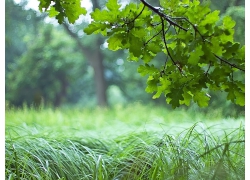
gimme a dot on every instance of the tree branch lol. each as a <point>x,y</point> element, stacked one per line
<point>193,25</point>
<point>139,14</point>
<point>168,19</point>
<point>164,39</point>
<point>233,65</point>
<point>126,23</point>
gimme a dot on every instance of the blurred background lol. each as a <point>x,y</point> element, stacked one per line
<point>52,65</point>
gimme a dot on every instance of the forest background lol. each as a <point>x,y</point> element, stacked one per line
<point>50,66</point>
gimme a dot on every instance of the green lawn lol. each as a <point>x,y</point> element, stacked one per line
<point>133,142</point>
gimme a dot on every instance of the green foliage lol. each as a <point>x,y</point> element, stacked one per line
<point>238,15</point>
<point>200,52</point>
<point>63,8</point>
<point>44,72</point>
<point>17,23</point>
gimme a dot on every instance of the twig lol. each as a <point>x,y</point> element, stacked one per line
<point>208,68</point>
<point>165,43</point>
<point>233,65</point>
<point>125,23</point>
<point>152,37</point>
<point>193,25</point>
<point>164,39</point>
<point>138,14</point>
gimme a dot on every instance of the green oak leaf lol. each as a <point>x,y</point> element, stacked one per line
<point>216,47</point>
<point>240,98</point>
<point>52,12</point>
<point>94,28</point>
<point>228,22</point>
<point>115,42</point>
<point>154,47</point>
<point>211,18</point>
<point>147,56</point>
<point>113,5</point>
<point>231,95</point>
<point>165,83</point>
<point>138,32</point>
<point>231,49</point>
<point>195,55</point>
<point>187,97</point>
<point>99,15</point>
<point>176,96</point>
<point>147,69</point>
<point>44,4</point>
<point>151,84</point>
<point>135,46</point>
<point>201,99</point>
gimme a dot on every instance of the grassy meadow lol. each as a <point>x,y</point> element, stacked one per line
<point>132,142</point>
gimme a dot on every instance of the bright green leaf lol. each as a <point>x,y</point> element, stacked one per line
<point>201,99</point>
<point>147,69</point>
<point>195,55</point>
<point>94,28</point>
<point>115,42</point>
<point>211,18</point>
<point>228,22</point>
<point>187,97</point>
<point>113,5</point>
<point>240,98</point>
<point>52,12</point>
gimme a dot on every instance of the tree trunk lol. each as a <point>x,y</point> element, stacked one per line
<point>95,59</point>
<point>97,63</point>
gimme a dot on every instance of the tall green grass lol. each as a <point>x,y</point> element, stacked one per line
<point>125,143</point>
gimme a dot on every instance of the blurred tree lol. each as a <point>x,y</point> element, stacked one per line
<point>224,5</point>
<point>95,57</point>
<point>45,71</point>
<point>17,23</point>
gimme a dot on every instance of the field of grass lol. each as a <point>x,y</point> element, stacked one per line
<point>135,142</point>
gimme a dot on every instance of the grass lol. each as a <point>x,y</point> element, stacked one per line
<point>124,143</point>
